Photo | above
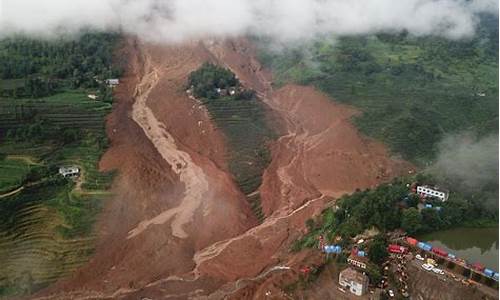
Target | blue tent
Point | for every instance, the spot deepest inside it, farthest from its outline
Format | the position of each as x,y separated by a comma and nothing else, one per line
488,272
332,249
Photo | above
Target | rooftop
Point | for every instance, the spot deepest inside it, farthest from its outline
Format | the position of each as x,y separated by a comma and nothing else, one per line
350,274
362,259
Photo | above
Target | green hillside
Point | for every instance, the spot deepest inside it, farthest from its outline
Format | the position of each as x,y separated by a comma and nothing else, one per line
47,120
412,90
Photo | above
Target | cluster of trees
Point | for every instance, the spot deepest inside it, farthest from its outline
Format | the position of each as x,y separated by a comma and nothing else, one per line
210,77
391,206
40,130
47,65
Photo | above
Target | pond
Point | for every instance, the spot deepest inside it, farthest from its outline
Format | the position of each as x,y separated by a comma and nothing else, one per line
471,244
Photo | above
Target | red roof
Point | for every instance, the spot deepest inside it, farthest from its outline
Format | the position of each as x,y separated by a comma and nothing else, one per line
478,266
439,251
396,248
411,241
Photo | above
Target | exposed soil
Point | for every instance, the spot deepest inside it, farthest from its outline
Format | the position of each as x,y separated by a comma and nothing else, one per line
178,227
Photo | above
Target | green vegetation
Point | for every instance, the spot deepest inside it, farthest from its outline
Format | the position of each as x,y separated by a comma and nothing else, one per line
377,252
46,226
391,206
242,119
36,68
412,90
12,173
210,77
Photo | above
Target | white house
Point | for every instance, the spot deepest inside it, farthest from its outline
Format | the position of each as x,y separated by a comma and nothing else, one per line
357,261
426,191
69,171
112,82
356,282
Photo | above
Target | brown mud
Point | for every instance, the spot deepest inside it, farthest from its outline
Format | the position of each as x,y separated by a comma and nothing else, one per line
177,226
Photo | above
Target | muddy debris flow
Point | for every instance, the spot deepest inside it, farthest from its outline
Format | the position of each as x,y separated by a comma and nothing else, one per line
178,226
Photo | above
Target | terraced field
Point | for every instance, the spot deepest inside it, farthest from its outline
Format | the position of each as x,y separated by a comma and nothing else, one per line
46,227
243,122
12,173
38,244
70,109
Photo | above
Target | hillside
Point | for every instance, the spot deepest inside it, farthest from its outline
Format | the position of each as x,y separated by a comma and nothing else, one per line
413,91
48,121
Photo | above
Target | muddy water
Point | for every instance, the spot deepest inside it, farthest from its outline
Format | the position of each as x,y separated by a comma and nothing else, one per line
471,244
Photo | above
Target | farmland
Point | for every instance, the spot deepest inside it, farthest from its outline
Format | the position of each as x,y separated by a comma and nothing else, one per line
46,220
46,227
12,173
243,123
242,118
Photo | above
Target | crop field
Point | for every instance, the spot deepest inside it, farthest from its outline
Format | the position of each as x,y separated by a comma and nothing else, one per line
244,125
12,173
46,238
70,109
46,228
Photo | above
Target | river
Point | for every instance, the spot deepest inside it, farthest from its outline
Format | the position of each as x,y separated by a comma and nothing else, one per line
471,244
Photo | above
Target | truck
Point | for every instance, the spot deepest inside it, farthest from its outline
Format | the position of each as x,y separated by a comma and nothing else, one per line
440,252
393,248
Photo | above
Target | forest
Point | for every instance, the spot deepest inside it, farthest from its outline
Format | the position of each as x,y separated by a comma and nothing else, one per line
36,68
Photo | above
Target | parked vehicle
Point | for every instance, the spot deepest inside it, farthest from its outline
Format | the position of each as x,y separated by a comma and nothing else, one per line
393,248
440,252
438,271
391,293
419,257
427,267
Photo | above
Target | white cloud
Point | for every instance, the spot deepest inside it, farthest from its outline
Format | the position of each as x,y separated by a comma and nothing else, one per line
173,20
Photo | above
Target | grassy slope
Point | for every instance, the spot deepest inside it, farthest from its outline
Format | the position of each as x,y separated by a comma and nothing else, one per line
412,90
12,173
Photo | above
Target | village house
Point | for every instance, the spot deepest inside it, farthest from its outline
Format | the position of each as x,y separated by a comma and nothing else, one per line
69,171
112,82
427,191
358,261
356,282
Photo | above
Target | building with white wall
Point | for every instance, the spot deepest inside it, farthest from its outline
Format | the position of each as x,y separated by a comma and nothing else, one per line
356,282
427,191
69,171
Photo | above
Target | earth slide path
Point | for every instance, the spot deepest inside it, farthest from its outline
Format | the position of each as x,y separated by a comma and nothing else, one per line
319,156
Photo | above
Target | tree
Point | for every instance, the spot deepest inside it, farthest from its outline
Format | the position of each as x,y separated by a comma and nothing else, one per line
411,220
431,219
377,251
413,200
374,274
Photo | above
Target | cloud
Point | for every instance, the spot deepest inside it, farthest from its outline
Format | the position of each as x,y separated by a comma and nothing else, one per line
470,163
176,20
